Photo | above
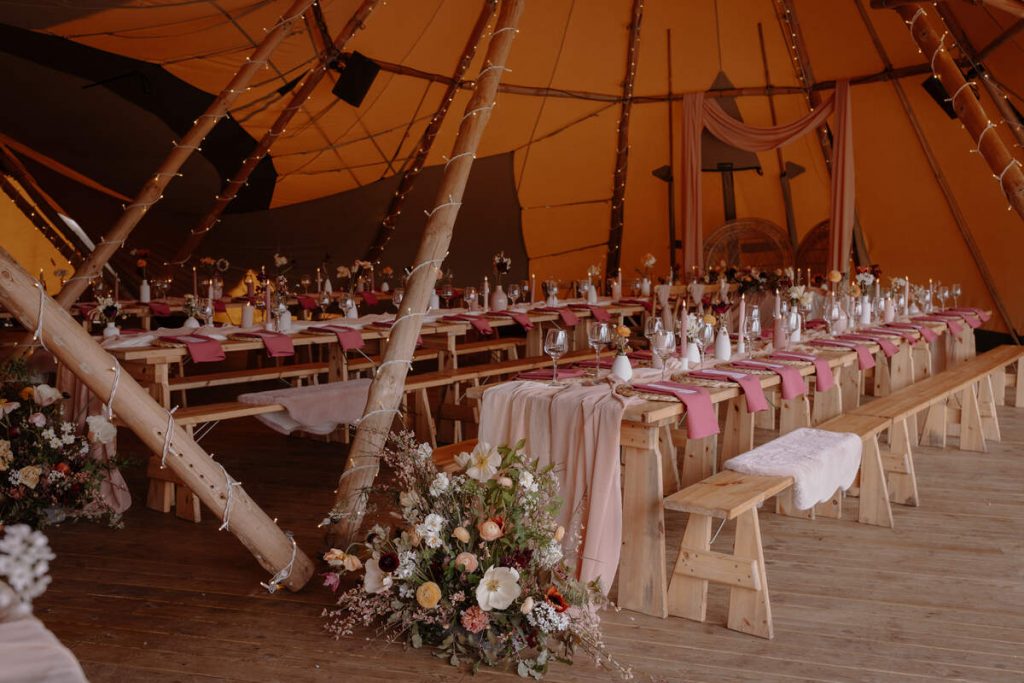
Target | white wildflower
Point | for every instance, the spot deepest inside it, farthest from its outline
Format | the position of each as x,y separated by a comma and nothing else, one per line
440,484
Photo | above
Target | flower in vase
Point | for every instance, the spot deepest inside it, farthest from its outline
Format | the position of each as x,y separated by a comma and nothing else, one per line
467,561
490,529
498,588
339,558
482,464
6,455
29,475
834,276
556,599
100,429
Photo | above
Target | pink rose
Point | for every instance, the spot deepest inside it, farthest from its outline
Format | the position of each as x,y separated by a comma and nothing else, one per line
37,420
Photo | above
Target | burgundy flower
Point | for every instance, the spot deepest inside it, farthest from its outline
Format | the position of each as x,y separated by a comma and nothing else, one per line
388,562
556,600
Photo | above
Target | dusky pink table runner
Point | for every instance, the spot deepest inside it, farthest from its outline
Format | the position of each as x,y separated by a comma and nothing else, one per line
750,384
888,348
349,338
865,361
824,379
701,419
791,381
927,334
278,345
201,348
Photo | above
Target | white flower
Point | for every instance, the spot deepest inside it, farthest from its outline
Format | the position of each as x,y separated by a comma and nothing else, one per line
547,619
527,481
406,564
8,407
409,499
440,484
807,300
865,279
550,555
788,272
424,451
406,592
375,580
432,524
25,561
280,261
45,395
482,464
100,429
498,588
433,540
796,292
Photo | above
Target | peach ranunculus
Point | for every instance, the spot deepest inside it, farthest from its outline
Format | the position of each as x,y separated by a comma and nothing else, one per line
834,276
461,533
29,475
467,561
428,595
339,558
490,529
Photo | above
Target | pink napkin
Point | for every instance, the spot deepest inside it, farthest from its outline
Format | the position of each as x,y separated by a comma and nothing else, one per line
159,308
971,319
308,303
646,303
888,348
817,324
276,343
926,332
642,354
348,337
569,319
983,315
479,323
954,327
701,420
219,306
201,348
545,374
603,363
822,371
750,384
388,324
600,314
865,361
86,308
521,318
906,335
792,381
370,298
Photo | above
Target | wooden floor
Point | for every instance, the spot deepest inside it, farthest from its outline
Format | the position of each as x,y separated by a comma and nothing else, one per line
941,597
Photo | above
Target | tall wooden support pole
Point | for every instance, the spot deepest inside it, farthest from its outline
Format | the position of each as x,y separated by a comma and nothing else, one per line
963,42
152,191
674,242
787,196
305,89
966,105
72,345
386,389
618,212
388,224
940,179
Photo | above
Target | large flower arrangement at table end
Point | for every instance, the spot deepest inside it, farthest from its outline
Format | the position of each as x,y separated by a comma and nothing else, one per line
476,570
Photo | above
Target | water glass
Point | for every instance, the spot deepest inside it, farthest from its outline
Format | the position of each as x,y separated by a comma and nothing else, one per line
599,335
556,344
664,344
956,291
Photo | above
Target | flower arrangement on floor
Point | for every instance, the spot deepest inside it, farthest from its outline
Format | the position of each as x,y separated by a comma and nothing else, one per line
476,570
46,471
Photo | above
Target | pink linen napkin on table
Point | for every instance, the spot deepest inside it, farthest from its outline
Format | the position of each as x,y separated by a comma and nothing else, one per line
970,318
159,308
308,303
641,354
370,298
865,361
701,420
219,306
521,318
646,303
888,348
545,374
792,381
569,319
905,335
816,324
201,348
388,324
479,323
927,334
277,344
822,371
982,315
954,327
599,313
750,384
348,337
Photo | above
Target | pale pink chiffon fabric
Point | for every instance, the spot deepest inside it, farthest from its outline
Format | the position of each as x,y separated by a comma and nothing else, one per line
576,429
29,652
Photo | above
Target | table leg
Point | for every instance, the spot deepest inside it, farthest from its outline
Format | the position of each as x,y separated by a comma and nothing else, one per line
642,577
794,413
851,380
828,404
535,340
738,436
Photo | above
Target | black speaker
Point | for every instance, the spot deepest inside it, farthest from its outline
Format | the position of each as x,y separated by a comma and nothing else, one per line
356,78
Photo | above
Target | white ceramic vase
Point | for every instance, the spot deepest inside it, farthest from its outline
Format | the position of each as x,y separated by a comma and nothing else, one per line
144,292
111,330
499,300
622,368
692,352
645,287
191,323
723,345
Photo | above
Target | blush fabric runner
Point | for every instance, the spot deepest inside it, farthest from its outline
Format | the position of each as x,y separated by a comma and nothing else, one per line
865,361
824,380
201,349
750,384
701,419
791,381
278,345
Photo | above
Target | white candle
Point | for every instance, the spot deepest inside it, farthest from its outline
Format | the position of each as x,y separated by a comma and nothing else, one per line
195,283
250,288
778,303
247,314
319,280
533,287
741,346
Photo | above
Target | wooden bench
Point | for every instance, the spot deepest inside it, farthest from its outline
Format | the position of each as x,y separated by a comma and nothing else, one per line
509,346
219,379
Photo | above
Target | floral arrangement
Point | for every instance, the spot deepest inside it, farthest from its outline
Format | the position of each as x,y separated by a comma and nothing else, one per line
189,307
593,272
795,294
502,265
25,566
647,263
141,257
865,278
620,340
476,571
897,283
107,310
46,471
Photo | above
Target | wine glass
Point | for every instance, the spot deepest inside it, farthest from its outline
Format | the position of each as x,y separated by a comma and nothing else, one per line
347,303
637,286
943,295
556,343
956,291
206,311
469,297
599,335
447,292
396,297
325,301
705,337
305,281
833,314
514,291
663,343
652,325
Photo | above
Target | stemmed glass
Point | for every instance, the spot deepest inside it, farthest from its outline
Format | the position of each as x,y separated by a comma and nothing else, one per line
347,303
753,327
956,291
469,298
705,336
651,326
637,286
943,295
447,292
664,344
325,301
556,343
305,281
396,297
206,312
551,289
599,335
833,314
514,291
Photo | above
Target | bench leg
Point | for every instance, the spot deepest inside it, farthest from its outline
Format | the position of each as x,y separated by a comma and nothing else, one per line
738,436
698,458
987,408
934,433
669,461
687,595
883,378
766,418
831,508
160,496
972,434
784,506
898,464
999,386
828,404
1018,394
186,504
874,494
750,611
794,413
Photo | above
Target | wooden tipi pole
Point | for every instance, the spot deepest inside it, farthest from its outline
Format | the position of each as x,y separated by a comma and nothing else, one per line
134,407
618,212
152,191
386,389
312,79
972,115
387,226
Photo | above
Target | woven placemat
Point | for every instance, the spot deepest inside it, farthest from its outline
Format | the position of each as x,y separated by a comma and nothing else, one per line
629,392
684,378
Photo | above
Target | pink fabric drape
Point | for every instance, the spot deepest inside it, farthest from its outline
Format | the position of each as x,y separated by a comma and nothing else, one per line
700,112
842,192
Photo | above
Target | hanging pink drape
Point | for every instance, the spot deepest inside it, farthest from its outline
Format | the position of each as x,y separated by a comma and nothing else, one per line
700,112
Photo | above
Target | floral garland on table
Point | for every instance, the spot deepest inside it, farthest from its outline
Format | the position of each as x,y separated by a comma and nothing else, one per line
107,310
476,571
46,471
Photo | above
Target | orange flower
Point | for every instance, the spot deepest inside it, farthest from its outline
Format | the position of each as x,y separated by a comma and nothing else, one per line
141,263
622,331
25,394
556,600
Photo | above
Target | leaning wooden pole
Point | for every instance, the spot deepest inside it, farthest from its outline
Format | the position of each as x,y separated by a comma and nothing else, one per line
618,212
71,344
972,115
152,191
305,89
387,226
386,389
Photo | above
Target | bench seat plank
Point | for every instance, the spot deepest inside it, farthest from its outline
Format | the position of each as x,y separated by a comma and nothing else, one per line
727,494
